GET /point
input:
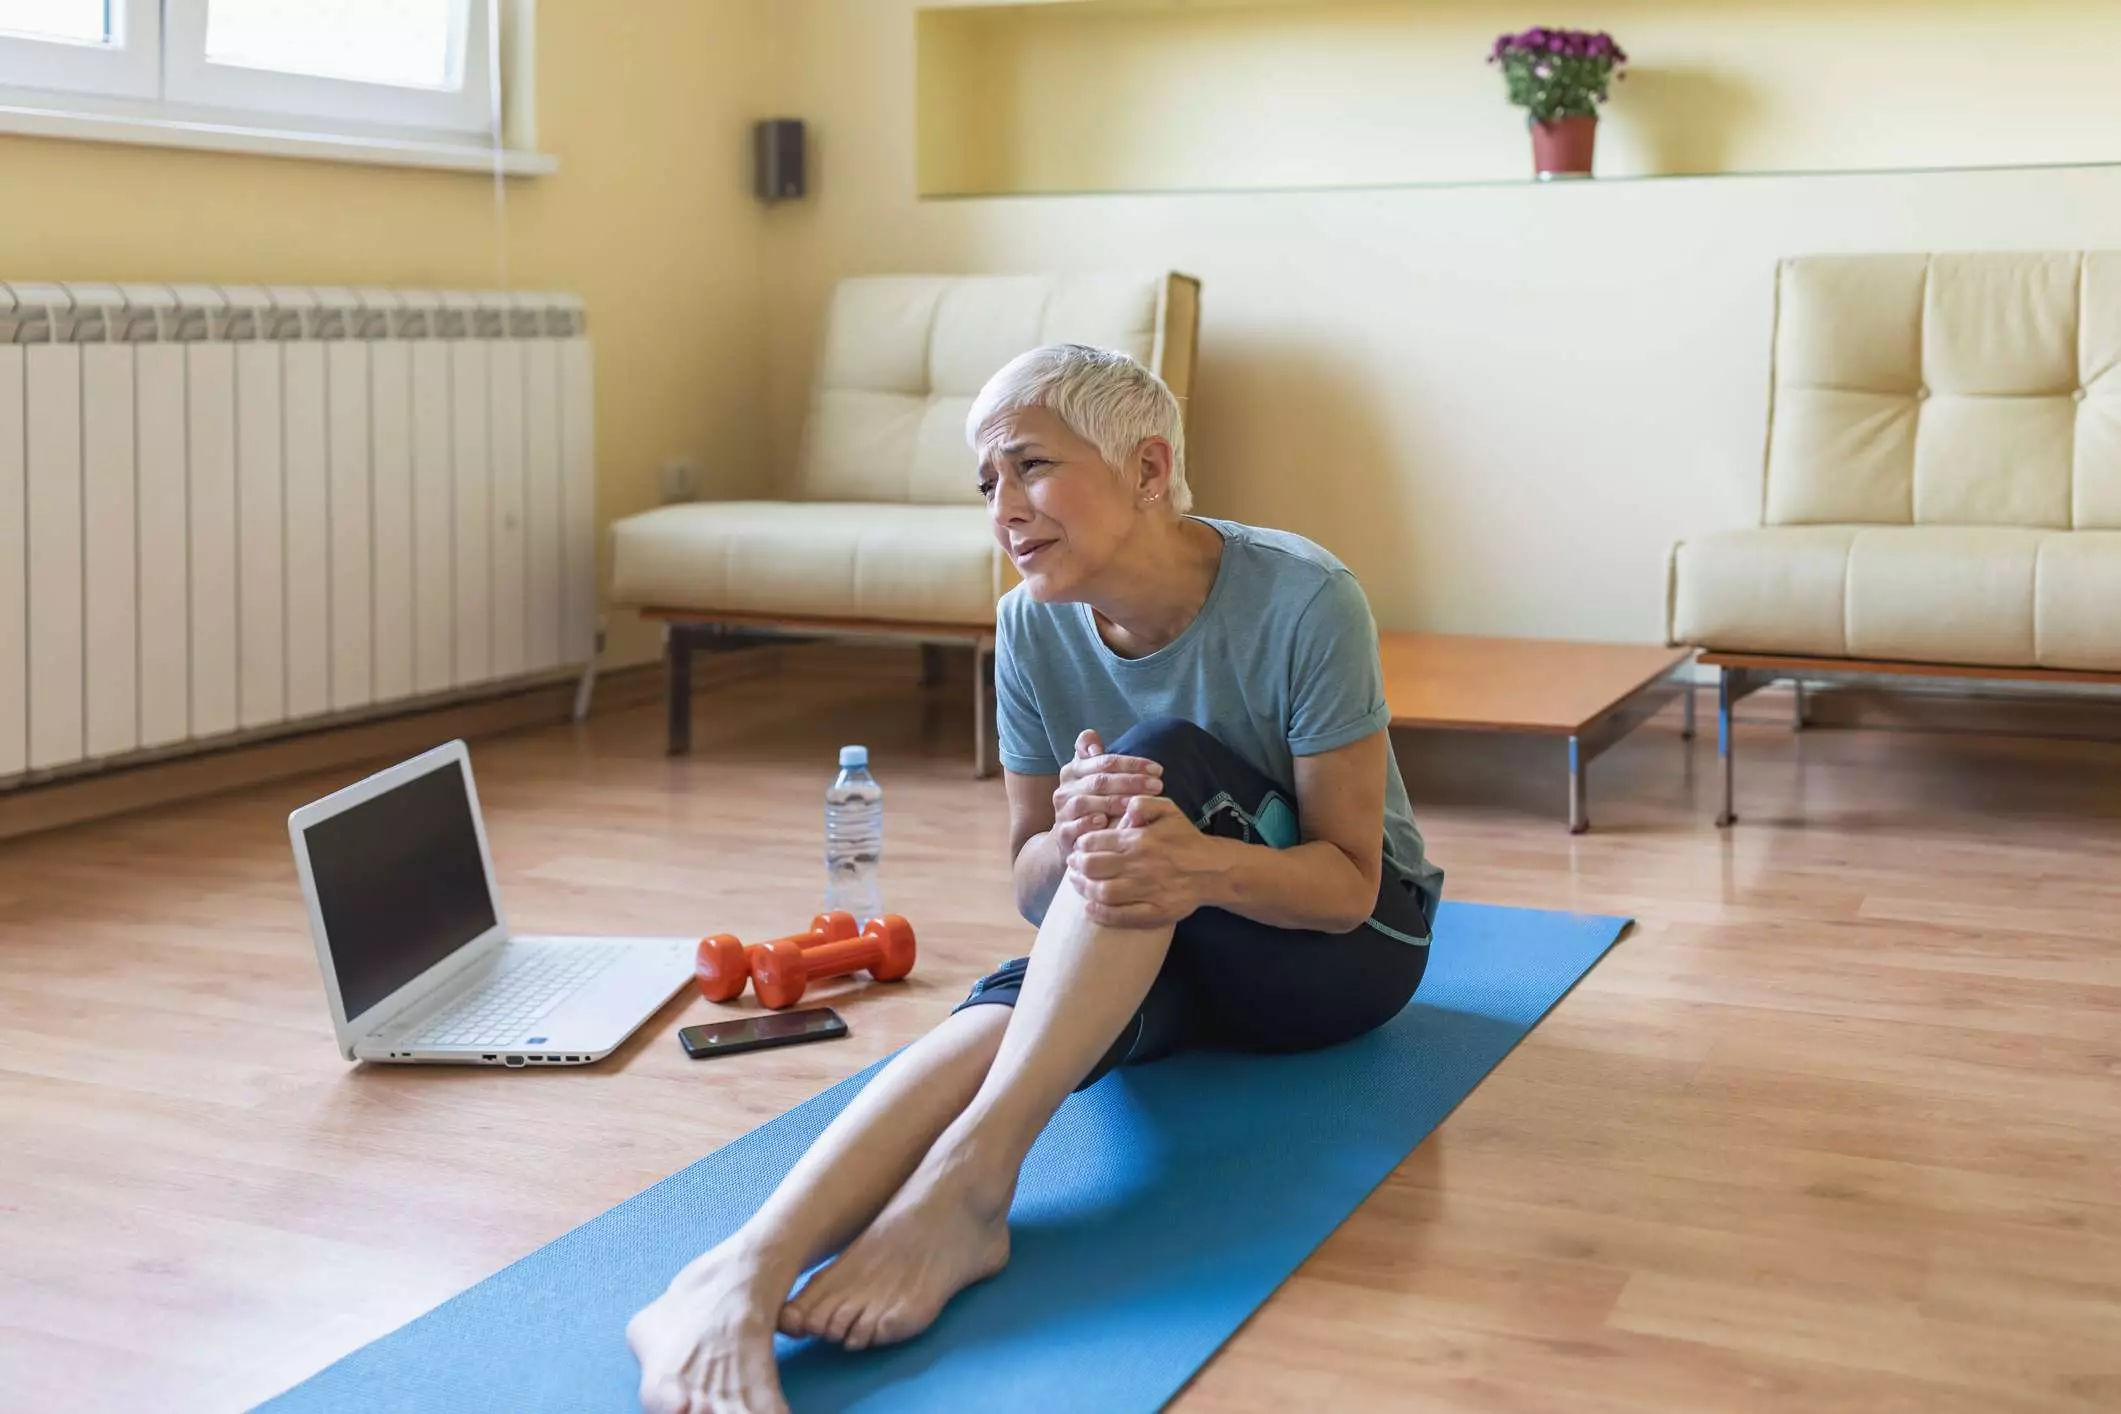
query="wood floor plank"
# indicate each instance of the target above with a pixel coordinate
(1835, 1128)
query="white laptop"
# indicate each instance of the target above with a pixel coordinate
(418, 960)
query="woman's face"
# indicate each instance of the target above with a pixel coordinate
(1059, 511)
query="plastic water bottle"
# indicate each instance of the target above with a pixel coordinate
(854, 838)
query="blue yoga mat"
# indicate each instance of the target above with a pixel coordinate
(1156, 1213)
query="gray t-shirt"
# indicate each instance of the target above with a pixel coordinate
(1280, 662)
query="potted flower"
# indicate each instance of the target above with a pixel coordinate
(1559, 77)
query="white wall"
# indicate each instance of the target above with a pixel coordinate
(1499, 405)
(1116, 95)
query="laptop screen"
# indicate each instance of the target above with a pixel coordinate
(401, 884)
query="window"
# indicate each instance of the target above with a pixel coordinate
(387, 71)
(400, 63)
(410, 42)
(82, 46)
(69, 21)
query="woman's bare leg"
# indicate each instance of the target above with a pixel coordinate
(707, 1342)
(947, 1226)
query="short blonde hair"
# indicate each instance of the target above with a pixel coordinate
(1106, 397)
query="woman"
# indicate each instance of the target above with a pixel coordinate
(1207, 825)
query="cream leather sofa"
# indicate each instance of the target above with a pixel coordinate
(1943, 487)
(883, 531)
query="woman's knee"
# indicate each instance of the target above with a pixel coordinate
(969, 1029)
(961, 1048)
(1167, 741)
(1194, 760)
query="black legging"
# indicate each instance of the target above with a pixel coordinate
(1231, 981)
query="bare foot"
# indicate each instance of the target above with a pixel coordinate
(706, 1344)
(946, 1229)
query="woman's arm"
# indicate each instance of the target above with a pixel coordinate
(1329, 882)
(1155, 867)
(1038, 861)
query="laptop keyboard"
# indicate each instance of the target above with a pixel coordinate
(498, 1013)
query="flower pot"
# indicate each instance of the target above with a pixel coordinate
(1562, 148)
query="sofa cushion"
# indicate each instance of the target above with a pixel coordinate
(898, 563)
(905, 355)
(1943, 594)
(1848, 373)
(2001, 324)
(876, 337)
(1997, 596)
(852, 432)
(2077, 601)
(1852, 322)
(1995, 461)
(1763, 591)
(1969, 389)
(2098, 470)
(1839, 455)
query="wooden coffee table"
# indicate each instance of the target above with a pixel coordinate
(1591, 693)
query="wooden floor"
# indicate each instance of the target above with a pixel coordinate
(1836, 1127)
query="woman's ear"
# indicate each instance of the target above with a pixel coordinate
(1152, 470)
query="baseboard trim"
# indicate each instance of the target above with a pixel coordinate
(120, 790)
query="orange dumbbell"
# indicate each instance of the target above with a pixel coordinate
(783, 968)
(722, 965)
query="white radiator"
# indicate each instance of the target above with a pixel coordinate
(232, 512)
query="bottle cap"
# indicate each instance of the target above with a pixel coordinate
(853, 756)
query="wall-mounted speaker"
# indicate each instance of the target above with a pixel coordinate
(778, 159)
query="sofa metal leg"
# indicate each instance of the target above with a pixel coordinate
(1686, 730)
(1800, 720)
(1725, 743)
(931, 664)
(680, 689)
(982, 689)
(1579, 792)
(585, 689)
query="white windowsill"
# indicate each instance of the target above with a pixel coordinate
(271, 142)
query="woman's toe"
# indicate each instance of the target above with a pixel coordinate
(862, 1334)
(836, 1323)
(892, 1327)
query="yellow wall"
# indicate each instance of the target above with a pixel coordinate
(1122, 95)
(649, 219)
(1499, 404)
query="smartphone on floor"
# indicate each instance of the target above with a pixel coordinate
(758, 1033)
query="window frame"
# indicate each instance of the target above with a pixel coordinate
(315, 103)
(129, 68)
(290, 115)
